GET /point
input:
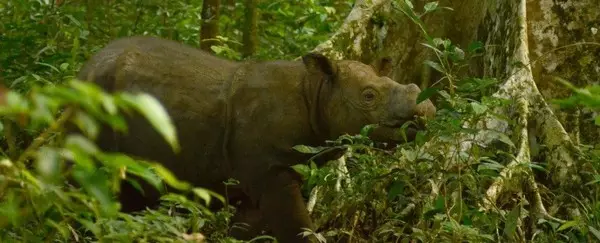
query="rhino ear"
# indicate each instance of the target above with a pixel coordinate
(384, 66)
(317, 63)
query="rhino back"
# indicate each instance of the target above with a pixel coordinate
(191, 84)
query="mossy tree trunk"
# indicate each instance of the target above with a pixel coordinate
(250, 39)
(526, 44)
(210, 23)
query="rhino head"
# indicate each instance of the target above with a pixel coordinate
(351, 95)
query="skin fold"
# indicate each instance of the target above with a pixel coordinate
(241, 119)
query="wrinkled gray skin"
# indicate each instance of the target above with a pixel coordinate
(241, 119)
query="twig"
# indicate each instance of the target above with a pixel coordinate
(42, 138)
(11, 140)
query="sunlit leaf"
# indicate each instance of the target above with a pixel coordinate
(478, 108)
(86, 124)
(430, 6)
(409, 4)
(567, 225)
(170, 178)
(203, 194)
(47, 163)
(16, 102)
(302, 169)
(308, 149)
(139, 168)
(81, 142)
(153, 110)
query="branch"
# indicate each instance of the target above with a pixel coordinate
(43, 138)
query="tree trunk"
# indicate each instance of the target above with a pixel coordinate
(525, 45)
(250, 39)
(210, 23)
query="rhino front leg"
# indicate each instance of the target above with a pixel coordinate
(283, 208)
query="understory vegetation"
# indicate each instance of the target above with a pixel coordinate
(420, 191)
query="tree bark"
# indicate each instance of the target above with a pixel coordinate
(210, 23)
(250, 36)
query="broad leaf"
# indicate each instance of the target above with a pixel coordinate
(151, 108)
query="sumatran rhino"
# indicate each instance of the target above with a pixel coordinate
(241, 119)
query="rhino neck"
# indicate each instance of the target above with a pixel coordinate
(314, 95)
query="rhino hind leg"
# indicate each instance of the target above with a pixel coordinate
(247, 222)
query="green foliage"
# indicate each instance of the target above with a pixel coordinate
(410, 193)
(36, 201)
(588, 97)
(287, 29)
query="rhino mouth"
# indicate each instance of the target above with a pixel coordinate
(390, 132)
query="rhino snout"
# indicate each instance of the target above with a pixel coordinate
(403, 106)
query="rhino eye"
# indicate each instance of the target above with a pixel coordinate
(368, 95)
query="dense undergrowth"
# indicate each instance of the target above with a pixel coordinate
(408, 193)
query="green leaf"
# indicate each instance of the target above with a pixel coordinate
(64, 66)
(139, 168)
(567, 225)
(410, 155)
(302, 169)
(396, 189)
(597, 120)
(475, 46)
(596, 180)
(170, 178)
(430, 6)
(47, 163)
(499, 136)
(82, 143)
(492, 165)
(81, 159)
(438, 42)
(511, 221)
(457, 54)
(366, 130)
(478, 108)
(595, 232)
(426, 94)
(435, 66)
(16, 102)
(96, 184)
(420, 138)
(136, 185)
(152, 109)
(86, 124)
(409, 4)
(217, 49)
(109, 105)
(308, 149)
(203, 194)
